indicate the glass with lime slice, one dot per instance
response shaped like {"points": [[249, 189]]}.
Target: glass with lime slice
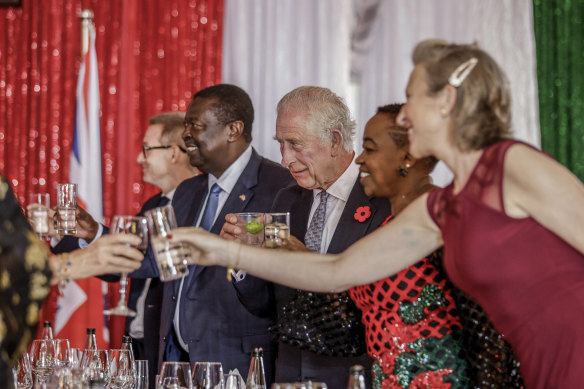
{"points": [[252, 225]]}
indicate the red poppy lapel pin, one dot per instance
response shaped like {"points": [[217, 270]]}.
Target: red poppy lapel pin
{"points": [[362, 214]]}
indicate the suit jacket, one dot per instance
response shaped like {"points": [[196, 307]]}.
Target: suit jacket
{"points": [[214, 324], [292, 363]]}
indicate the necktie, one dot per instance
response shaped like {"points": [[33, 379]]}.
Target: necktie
{"points": [[313, 236], [211, 208]]}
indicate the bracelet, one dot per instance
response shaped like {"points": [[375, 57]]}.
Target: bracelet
{"points": [[64, 272], [231, 268]]}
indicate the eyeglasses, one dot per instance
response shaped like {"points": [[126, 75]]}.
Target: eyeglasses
{"points": [[145, 149]]}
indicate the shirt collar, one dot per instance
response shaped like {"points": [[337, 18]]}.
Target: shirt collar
{"points": [[229, 178], [342, 187]]}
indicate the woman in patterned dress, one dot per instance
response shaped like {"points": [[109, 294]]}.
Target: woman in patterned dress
{"points": [[510, 222]]}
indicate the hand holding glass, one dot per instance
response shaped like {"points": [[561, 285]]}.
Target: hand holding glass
{"points": [[135, 225], [38, 213], [277, 229], [66, 209], [171, 259]]}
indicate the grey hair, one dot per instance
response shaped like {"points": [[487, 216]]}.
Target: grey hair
{"points": [[324, 110]]}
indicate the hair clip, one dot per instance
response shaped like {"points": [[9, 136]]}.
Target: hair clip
{"points": [[462, 71]]}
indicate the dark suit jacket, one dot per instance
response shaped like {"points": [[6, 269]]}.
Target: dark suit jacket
{"points": [[292, 363], [214, 323]]}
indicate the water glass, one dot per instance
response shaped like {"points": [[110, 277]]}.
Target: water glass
{"points": [[233, 381], [42, 359], [141, 369], [171, 258], [252, 227], [75, 357], [38, 213], [208, 375], [94, 363], [277, 229], [121, 369], [175, 375], [62, 352], [66, 209], [22, 373]]}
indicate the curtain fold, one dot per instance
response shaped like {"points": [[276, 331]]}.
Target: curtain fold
{"points": [[559, 33], [152, 57]]}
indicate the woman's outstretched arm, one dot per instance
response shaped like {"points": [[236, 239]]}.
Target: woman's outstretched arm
{"points": [[411, 236]]}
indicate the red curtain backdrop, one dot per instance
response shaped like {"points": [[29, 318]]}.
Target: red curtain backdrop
{"points": [[153, 55]]}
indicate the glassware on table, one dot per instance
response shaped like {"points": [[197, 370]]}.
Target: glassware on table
{"points": [[252, 227], [94, 364], [171, 258], [233, 381], [141, 369], [316, 385], [38, 213], [66, 209], [75, 357], [175, 375], [121, 369], [135, 225], [42, 356], [61, 378], [22, 373], [208, 375], [277, 229], [62, 352], [289, 385]]}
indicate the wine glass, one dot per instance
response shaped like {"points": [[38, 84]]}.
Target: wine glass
{"points": [[135, 225], [75, 357], [208, 375], [94, 362], [62, 352], [42, 356], [121, 369], [175, 375], [22, 373]]}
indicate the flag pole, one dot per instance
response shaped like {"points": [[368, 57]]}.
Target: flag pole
{"points": [[87, 25]]}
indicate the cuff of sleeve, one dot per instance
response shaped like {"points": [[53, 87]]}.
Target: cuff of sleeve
{"points": [[83, 243]]}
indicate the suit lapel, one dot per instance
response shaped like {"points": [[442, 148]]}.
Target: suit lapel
{"points": [[349, 229], [237, 201], [299, 214]]}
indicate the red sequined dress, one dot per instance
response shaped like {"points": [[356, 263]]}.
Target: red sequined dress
{"points": [[529, 281], [412, 328]]}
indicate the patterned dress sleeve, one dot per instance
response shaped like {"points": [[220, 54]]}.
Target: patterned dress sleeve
{"points": [[24, 282]]}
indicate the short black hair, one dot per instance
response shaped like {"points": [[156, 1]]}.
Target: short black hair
{"points": [[232, 104]]}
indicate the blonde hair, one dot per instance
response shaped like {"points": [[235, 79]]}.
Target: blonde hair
{"points": [[482, 113]]}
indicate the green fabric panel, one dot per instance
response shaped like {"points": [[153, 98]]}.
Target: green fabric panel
{"points": [[559, 38]]}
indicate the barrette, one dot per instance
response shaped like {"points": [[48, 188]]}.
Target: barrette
{"points": [[462, 71]]}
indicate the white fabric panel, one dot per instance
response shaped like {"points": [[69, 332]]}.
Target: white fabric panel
{"points": [[273, 46]]}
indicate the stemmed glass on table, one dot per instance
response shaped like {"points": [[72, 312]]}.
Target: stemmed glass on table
{"points": [[42, 359], [135, 225], [121, 371], [208, 375]]}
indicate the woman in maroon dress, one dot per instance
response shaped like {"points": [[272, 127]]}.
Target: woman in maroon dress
{"points": [[511, 221]]}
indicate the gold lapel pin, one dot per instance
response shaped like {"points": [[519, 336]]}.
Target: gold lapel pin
{"points": [[242, 197]]}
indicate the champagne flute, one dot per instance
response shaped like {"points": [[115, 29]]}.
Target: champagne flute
{"points": [[42, 356], [135, 225]]}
